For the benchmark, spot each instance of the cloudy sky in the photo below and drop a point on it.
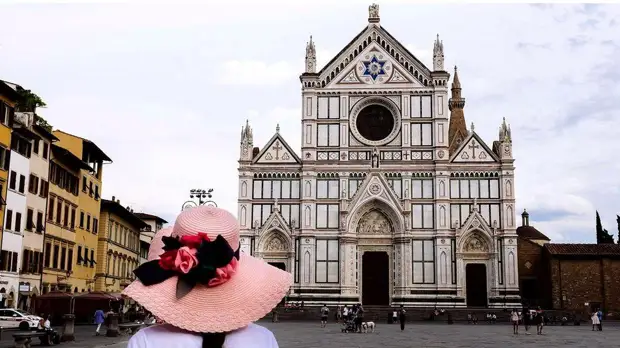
(164, 90)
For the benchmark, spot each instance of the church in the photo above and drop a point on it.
(391, 199)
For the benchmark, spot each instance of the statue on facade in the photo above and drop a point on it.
(373, 11)
(375, 159)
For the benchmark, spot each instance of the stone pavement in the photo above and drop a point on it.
(427, 335)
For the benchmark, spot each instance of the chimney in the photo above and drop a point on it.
(113, 199)
(525, 218)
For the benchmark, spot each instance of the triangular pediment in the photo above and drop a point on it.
(275, 221)
(475, 221)
(277, 151)
(348, 65)
(375, 186)
(474, 149)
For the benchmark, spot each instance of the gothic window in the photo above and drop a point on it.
(474, 188)
(260, 213)
(327, 260)
(327, 188)
(500, 261)
(244, 189)
(354, 184)
(422, 216)
(460, 212)
(297, 252)
(421, 134)
(421, 106)
(423, 261)
(328, 108)
(290, 213)
(328, 135)
(397, 186)
(271, 189)
(422, 188)
(327, 216)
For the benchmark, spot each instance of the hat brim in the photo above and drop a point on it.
(249, 295)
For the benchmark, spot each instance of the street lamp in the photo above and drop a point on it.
(203, 196)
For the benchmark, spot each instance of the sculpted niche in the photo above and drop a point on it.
(475, 244)
(374, 222)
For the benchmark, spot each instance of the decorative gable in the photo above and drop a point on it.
(275, 221)
(375, 186)
(277, 151)
(395, 57)
(473, 149)
(475, 235)
(372, 67)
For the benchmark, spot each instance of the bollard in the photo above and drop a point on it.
(68, 328)
(112, 325)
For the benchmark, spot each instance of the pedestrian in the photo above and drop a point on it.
(394, 316)
(599, 314)
(324, 315)
(402, 317)
(595, 321)
(99, 319)
(527, 319)
(539, 321)
(203, 308)
(514, 318)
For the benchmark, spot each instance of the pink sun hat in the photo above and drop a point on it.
(157, 244)
(201, 282)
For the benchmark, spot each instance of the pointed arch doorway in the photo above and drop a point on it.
(376, 278)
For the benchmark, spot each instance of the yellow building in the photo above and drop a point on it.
(118, 252)
(89, 203)
(60, 227)
(8, 99)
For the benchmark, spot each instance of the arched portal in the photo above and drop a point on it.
(275, 248)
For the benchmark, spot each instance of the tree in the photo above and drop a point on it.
(40, 121)
(602, 235)
(29, 101)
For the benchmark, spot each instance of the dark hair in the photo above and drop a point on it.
(213, 340)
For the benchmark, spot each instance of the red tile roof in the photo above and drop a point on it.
(529, 232)
(583, 249)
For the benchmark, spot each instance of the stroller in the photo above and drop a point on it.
(348, 325)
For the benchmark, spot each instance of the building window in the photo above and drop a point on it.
(453, 246)
(354, 184)
(66, 216)
(297, 252)
(33, 184)
(95, 225)
(9, 261)
(328, 135)
(40, 226)
(22, 183)
(88, 222)
(63, 258)
(79, 253)
(72, 218)
(290, 213)
(327, 188)
(30, 219)
(44, 189)
(81, 219)
(422, 216)
(500, 261)
(397, 187)
(70, 260)
(424, 262)
(5, 158)
(327, 261)
(260, 213)
(13, 180)
(92, 258)
(21, 145)
(474, 188)
(8, 219)
(18, 222)
(35, 146)
(64, 179)
(327, 215)
(55, 257)
(268, 189)
(460, 213)
(97, 192)
(59, 212)
(45, 150)
(84, 184)
(421, 188)
(421, 134)
(252, 246)
(48, 254)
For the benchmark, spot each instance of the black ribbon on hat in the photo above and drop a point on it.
(211, 255)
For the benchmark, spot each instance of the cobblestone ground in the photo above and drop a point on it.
(310, 335)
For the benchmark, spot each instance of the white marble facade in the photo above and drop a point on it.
(375, 195)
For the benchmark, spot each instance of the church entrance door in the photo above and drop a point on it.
(280, 265)
(476, 284)
(376, 278)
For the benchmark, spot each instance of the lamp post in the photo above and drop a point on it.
(203, 196)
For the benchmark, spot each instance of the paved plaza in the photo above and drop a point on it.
(310, 335)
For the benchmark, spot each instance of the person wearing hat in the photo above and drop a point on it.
(206, 291)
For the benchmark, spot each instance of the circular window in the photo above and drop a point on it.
(375, 122)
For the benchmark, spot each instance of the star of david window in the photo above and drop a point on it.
(374, 67)
(375, 122)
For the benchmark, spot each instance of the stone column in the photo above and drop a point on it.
(68, 329)
(112, 325)
(400, 262)
(348, 263)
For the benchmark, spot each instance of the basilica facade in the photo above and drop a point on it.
(391, 199)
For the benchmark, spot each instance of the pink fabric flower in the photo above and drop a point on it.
(185, 259)
(223, 274)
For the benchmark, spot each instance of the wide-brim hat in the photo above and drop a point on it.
(236, 299)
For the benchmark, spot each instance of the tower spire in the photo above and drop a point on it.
(310, 56)
(438, 55)
(457, 131)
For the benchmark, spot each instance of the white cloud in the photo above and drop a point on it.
(250, 72)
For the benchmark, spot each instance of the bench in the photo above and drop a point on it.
(24, 339)
(129, 328)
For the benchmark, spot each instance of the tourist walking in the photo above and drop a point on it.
(402, 317)
(540, 318)
(527, 319)
(596, 322)
(180, 287)
(599, 314)
(99, 320)
(324, 315)
(514, 318)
